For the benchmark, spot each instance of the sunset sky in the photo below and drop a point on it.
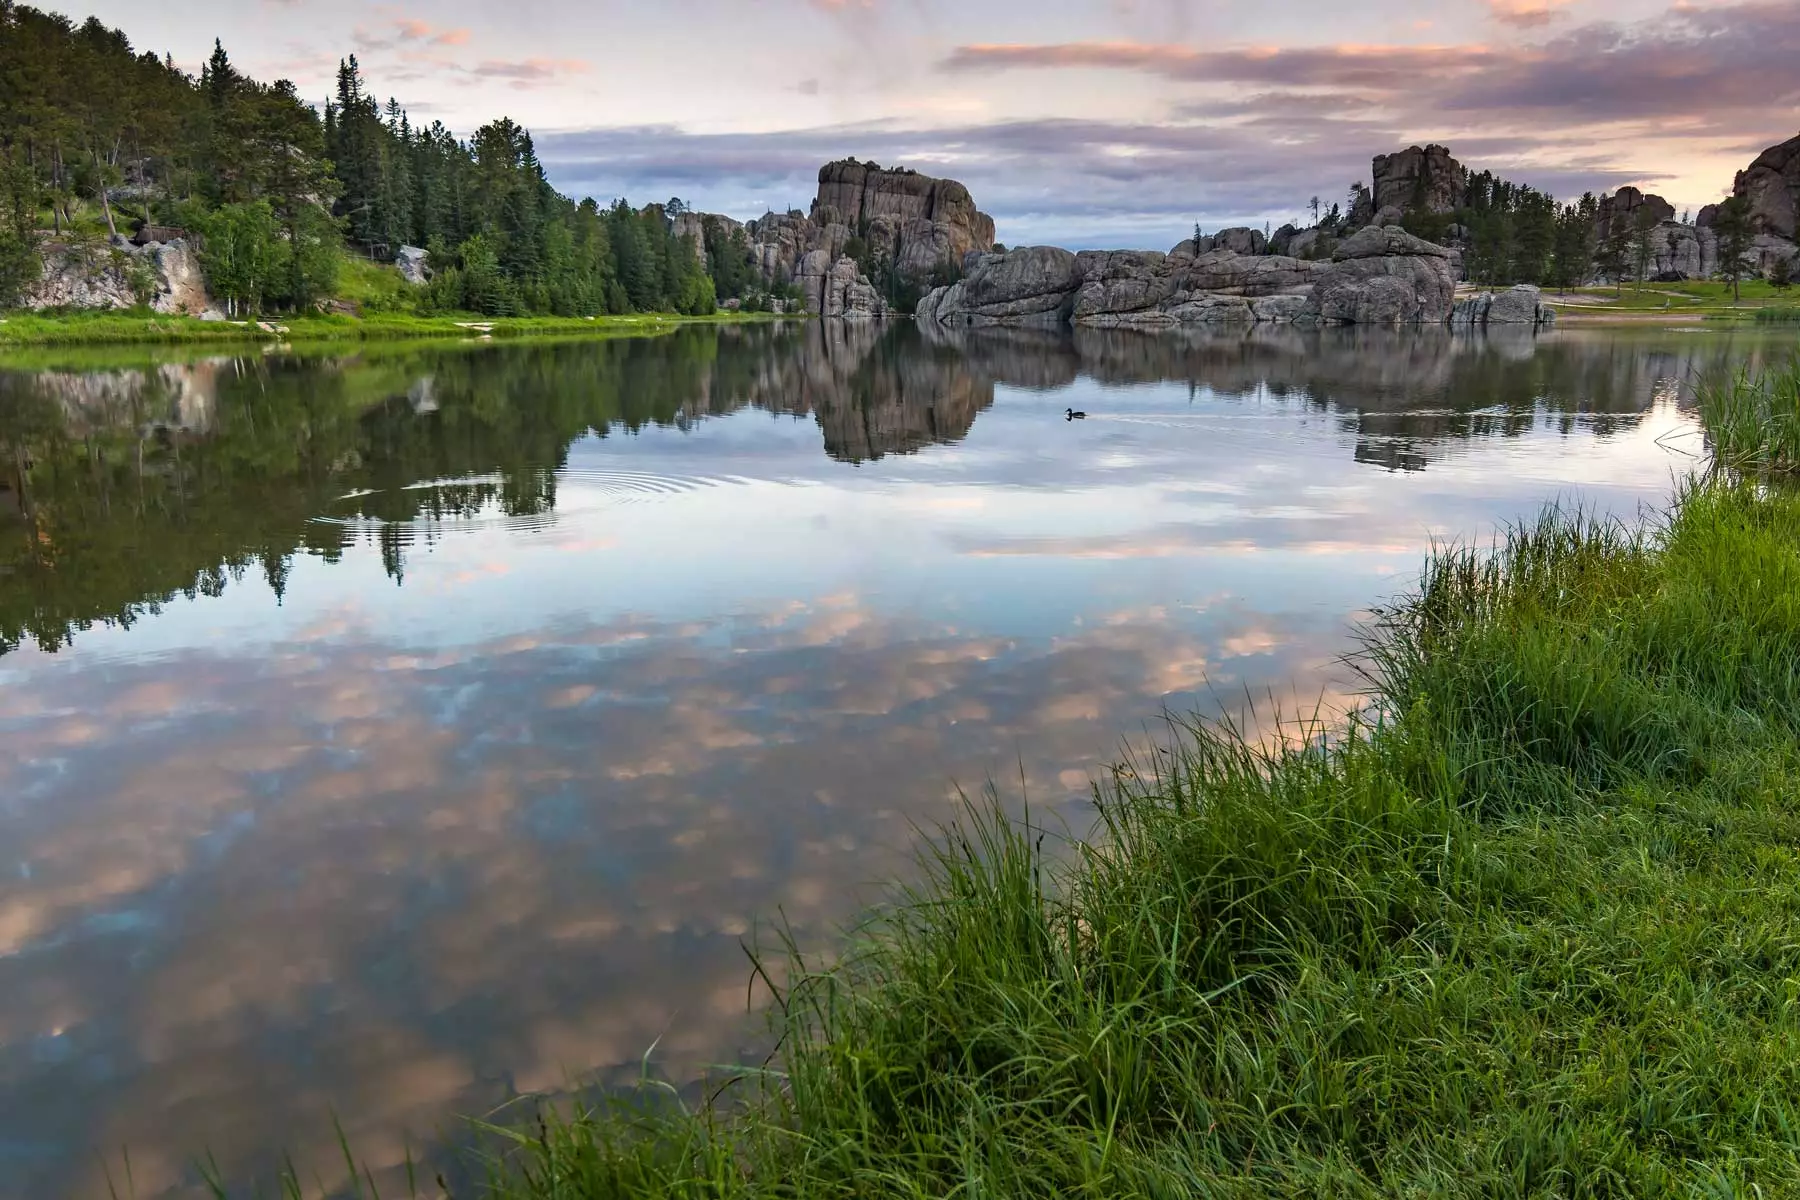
(1105, 122)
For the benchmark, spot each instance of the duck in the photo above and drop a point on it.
(1070, 414)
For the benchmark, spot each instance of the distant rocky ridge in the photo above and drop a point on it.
(1428, 180)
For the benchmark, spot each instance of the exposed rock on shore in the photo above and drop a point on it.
(1521, 305)
(1379, 276)
(1385, 276)
(837, 289)
(164, 275)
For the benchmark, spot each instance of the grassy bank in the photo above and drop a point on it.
(1526, 928)
(138, 328)
(1694, 298)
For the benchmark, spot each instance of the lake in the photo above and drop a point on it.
(386, 731)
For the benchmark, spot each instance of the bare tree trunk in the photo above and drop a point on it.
(105, 204)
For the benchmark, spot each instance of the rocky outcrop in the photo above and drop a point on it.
(836, 288)
(1522, 305)
(1419, 178)
(1379, 276)
(165, 276)
(1684, 251)
(1630, 205)
(1034, 285)
(1383, 275)
(1772, 186)
(918, 222)
(415, 265)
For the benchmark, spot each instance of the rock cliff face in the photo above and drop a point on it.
(918, 221)
(1377, 277)
(1419, 178)
(836, 288)
(1626, 205)
(1772, 186)
(166, 275)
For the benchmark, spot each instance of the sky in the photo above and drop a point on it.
(1074, 122)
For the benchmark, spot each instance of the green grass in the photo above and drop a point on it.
(144, 327)
(1526, 927)
(1694, 297)
(1752, 422)
(374, 287)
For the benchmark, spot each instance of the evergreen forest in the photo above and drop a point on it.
(98, 140)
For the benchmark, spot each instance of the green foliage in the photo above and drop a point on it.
(18, 206)
(1781, 275)
(1731, 222)
(81, 113)
(1752, 422)
(253, 260)
(1517, 234)
(728, 259)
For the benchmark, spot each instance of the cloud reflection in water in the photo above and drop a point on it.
(396, 853)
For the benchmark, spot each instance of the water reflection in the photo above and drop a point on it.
(281, 838)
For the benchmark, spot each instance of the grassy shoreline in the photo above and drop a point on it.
(1523, 929)
(31, 330)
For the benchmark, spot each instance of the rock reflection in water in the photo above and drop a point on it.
(282, 840)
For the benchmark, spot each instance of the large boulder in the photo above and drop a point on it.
(1521, 305)
(1240, 239)
(778, 241)
(414, 263)
(1772, 186)
(1383, 275)
(1419, 178)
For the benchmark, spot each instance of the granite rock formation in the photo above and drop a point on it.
(918, 222)
(1772, 186)
(166, 275)
(414, 264)
(1033, 285)
(1381, 276)
(1520, 305)
(835, 288)
(1423, 178)
(1627, 205)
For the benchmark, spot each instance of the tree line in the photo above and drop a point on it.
(97, 139)
(1518, 234)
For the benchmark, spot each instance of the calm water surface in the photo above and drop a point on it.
(389, 732)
